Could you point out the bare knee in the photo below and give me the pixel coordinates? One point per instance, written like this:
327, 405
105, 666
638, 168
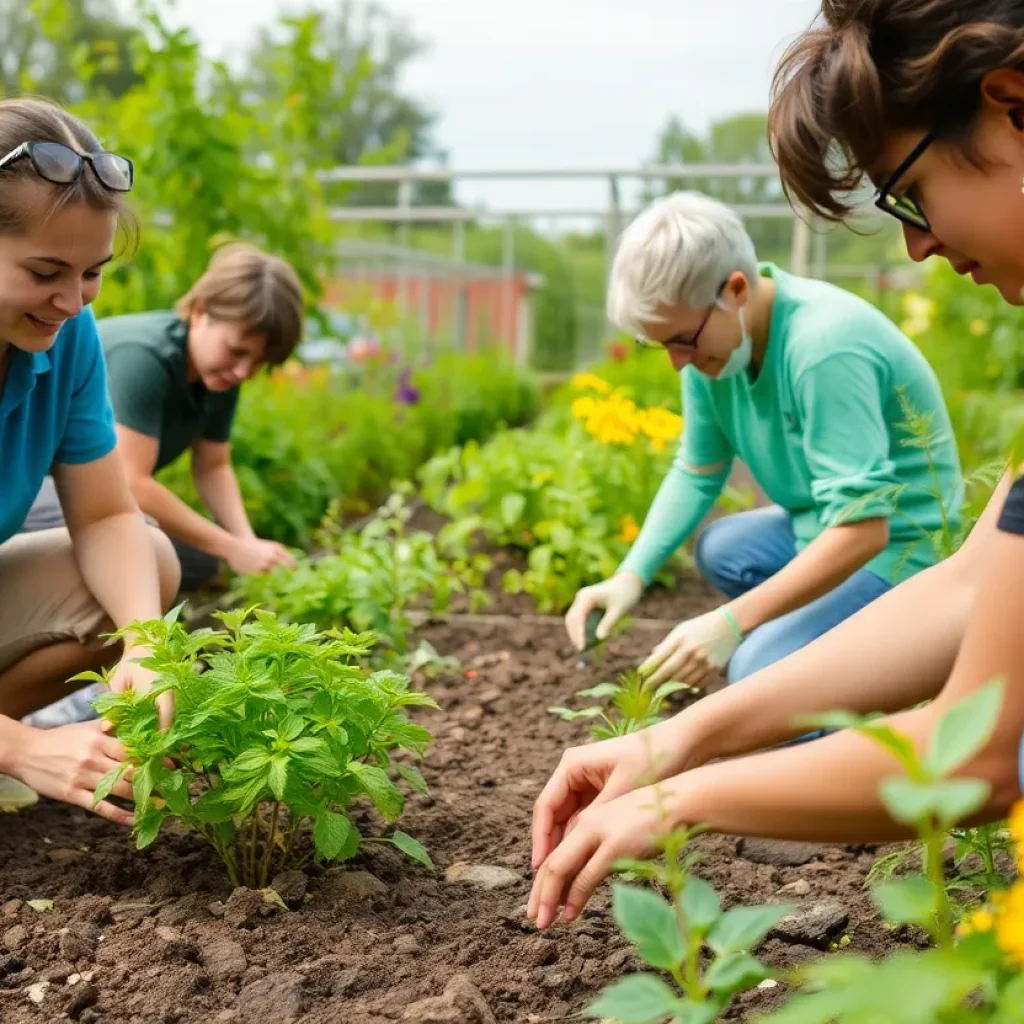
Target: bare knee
168, 567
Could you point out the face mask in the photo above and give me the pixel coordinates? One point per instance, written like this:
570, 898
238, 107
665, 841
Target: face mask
739, 361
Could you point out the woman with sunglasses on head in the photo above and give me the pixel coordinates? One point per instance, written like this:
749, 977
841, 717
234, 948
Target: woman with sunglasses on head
807, 384
61, 198
926, 99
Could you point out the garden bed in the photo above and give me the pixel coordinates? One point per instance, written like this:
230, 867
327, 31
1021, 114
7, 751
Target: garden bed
158, 937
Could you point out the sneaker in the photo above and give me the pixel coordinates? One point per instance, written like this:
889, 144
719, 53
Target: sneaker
75, 707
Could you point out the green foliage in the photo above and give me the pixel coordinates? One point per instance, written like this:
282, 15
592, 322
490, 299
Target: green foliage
703, 950
304, 438
276, 725
370, 578
953, 982
629, 706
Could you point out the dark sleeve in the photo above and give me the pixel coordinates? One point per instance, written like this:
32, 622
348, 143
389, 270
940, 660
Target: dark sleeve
1012, 518
219, 422
139, 384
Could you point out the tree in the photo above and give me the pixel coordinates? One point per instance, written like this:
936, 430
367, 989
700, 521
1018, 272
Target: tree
48, 43
364, 117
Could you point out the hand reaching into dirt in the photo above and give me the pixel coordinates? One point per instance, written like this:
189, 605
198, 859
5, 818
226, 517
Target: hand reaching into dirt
599, 773
67, 764
694, 651
604, 833
250, 556
615, 596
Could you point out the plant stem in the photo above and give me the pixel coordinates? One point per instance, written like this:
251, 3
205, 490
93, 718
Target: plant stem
269, 854
943, 933
250, 860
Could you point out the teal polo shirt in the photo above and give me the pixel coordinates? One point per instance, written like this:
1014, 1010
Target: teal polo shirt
54, 408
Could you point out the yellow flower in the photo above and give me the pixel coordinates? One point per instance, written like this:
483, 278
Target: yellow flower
918, 307
661, 425
583, 408
1016, 823
978, 328
628, 529
590, 382
1009, 924
979, 921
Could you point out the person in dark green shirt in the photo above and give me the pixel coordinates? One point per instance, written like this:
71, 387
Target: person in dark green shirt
174, 380
811, 387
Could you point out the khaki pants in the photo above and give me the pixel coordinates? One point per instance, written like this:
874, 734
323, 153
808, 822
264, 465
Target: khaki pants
44, 598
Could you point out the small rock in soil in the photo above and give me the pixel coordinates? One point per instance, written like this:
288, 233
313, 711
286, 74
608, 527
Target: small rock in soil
168, 934
37, 992
491, 696
777, 852
813, 924
242, 909
291, 887
462, 1003
224, 959
14, 938
482, 876
277, 998
13, 907
64, 856
82, 998
358, 883
539, 952
554, 980
89, 1016
407, 945
78, 941
801, 887
344, 984
59, 972
216, 909
226, 1015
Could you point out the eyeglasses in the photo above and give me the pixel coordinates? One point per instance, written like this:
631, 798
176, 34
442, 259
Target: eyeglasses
678, 341
903, 208
61, 165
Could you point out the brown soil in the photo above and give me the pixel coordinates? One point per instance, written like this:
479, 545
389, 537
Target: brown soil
158, 937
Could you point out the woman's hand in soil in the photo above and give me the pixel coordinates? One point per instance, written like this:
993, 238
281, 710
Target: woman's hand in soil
604, 833
597, 774
130, 675
614, 596
68, 762
250, 556
693, 651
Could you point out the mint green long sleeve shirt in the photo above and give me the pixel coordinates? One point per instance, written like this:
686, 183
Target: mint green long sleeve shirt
821, 430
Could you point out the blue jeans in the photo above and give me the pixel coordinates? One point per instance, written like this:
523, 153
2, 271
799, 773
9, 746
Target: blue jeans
740, 552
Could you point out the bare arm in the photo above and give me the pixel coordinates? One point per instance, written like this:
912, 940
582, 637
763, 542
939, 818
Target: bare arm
139, 453
830, 559
217, 485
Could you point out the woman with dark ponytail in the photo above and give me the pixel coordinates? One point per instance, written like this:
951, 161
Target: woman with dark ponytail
61, 199
923, 100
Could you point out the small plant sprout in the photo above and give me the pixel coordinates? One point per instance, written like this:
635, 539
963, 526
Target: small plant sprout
630, 705
699, 955
277, 727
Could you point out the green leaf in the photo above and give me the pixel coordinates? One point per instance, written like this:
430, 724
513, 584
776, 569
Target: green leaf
380, 789
601, 690
910, 901
108, 782
651, 925
148, 828
512, 508
742, 928
142, 787
216, 805
334, 836
696, 1013
250, 761
413, 776
964, 730
278, 777
636, 999
914, 803
735, 973
173, 788
700, 904
412, 848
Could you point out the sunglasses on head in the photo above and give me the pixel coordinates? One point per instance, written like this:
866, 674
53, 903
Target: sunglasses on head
60, 165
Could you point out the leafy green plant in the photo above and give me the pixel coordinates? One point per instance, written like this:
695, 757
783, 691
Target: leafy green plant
630, 705
953, 982
369, 579
276, 726
686, 937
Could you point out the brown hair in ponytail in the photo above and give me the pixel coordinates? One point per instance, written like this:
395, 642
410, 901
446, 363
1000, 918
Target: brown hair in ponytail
868, 68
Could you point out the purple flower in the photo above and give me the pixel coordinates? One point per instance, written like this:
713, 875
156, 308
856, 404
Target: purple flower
406, 393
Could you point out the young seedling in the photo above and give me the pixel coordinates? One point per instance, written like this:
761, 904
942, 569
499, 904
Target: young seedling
277, 727
630, 705
700, 953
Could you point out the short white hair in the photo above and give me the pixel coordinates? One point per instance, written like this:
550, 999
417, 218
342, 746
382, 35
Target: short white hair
679, 250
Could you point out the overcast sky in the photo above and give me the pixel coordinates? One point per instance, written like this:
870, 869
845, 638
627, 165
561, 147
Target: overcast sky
582, 83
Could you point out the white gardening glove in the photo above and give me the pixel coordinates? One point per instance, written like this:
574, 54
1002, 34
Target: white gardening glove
694, 650
615, 596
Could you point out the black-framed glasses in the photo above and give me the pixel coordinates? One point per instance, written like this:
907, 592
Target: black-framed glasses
678, 341
60, 165
903, 208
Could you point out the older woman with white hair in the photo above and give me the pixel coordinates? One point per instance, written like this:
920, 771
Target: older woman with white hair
809, 386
